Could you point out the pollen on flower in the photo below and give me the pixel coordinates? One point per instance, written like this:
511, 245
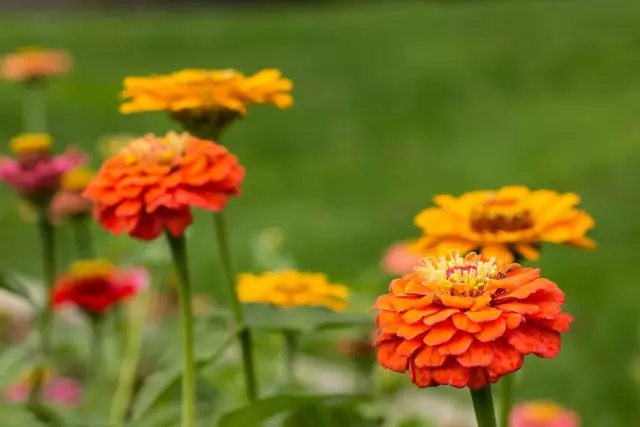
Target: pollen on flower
152, 150
76, 179
30, 143
91, 268
458, 276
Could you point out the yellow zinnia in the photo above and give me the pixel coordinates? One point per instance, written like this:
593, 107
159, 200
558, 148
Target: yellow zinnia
291, 288
503, 223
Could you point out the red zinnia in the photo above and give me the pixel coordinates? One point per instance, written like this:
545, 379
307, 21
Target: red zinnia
467, 321
153, 182
95, 286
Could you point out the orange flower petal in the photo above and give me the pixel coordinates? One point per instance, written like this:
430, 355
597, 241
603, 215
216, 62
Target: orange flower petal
481, 302
383, 302
429, 357
506, 359
528, 289
456, 302
440, 316
485, 315
420, 376
560, 323
527, 251
424, 302
478, 379
382, 337
401, 304
462, 322
440, 333
411, 331
521, 308
456, 345
512, 320
407, 348
415, 315
498, 251
527, 340
478, 354
492, 330
388, 358
454, 375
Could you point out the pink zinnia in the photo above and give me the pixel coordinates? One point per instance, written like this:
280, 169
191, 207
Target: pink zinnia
58, 390
399, 260
33, 63
36, 172
542, 414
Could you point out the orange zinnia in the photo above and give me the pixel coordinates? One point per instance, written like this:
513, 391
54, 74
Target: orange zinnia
151, 185
467, 321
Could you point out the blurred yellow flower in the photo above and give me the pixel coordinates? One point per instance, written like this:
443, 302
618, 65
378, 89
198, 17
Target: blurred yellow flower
511, 220
110, 145
206, 90
291, 288
30, 142
77, 179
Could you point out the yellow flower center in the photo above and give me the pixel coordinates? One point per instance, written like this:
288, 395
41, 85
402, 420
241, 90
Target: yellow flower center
454, 275
77, 179
31, 143
91, 268
501, 214
543, 411
30, 49
155, 150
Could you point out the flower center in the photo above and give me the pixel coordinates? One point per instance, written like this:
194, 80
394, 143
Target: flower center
501, 214
291, 288
76, 179
543, 411
154, 150
31, 143
454, 275
91, 268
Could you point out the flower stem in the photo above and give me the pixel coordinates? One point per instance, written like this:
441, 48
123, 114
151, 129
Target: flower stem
291, 341
483, 407
47, 238
506, 396
133, 345
236, 308
82, 236
35, 107
179, 253
97, 326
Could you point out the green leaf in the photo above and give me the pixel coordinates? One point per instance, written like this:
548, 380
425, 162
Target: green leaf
12, 283
301, 319
159, 384
262, 410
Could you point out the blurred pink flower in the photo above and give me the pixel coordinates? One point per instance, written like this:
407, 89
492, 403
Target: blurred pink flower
542, 414
69, 204
38, 173
399, 260
32, 63
58, 390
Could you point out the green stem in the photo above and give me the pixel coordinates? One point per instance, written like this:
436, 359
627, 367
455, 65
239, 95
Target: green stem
82, 237
291, 344
236, 308
47, 237
483, 407
35, 107
179, 253
133, 345
96, 351
506, 396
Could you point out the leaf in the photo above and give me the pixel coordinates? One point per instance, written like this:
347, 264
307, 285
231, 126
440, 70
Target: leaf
11, 283
302, 319
262, 410
161, 382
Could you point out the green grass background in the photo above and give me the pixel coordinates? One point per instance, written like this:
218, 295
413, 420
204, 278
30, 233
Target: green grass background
395, 104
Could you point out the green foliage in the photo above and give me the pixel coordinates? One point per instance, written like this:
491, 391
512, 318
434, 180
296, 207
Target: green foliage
256, 414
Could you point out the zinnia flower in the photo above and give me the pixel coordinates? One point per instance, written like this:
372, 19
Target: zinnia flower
205, 101
95, 286
467, 321
151, 185
291, 288
503, 222
69, 201
36, 172
542, 414
57, 390
400, 259
32, 63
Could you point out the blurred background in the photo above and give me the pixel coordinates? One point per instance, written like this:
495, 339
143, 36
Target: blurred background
394, 103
